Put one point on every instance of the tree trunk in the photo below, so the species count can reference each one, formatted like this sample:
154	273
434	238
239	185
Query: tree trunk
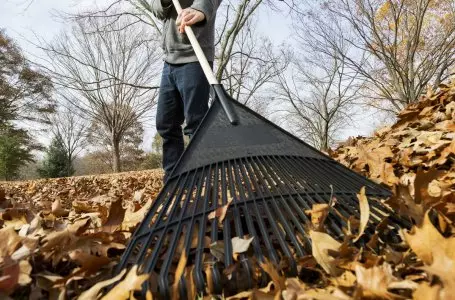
116	164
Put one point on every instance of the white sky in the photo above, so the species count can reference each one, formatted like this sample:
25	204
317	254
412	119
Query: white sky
22	19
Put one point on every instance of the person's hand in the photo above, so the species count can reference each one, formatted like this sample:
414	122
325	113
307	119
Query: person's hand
188	17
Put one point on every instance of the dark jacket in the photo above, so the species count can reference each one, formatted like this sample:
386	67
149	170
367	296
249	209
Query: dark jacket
176	45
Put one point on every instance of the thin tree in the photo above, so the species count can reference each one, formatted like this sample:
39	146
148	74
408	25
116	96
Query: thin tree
71	131
130	152
106	72
321	93
253	65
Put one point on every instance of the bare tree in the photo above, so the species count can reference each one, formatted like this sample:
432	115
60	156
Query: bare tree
253	65
70	130
401	48
106	71
131	155
320	92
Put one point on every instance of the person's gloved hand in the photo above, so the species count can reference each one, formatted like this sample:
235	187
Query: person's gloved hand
188	17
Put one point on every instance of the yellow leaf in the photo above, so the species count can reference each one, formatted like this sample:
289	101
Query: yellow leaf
132	282
133	218
178	274
443	266
426	292
364	212
318	214
93	292
423	240
10	241
25	270
321	243
374	282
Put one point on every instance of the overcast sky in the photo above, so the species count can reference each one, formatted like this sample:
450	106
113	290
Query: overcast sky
22	19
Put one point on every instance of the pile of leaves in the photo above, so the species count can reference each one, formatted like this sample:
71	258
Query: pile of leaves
423	138
61	238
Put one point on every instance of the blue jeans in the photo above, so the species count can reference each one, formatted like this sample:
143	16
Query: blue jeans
184	96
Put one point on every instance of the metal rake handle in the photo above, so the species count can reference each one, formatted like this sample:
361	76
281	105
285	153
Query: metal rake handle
218	88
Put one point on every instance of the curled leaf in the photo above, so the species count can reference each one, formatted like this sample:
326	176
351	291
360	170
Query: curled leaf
364	213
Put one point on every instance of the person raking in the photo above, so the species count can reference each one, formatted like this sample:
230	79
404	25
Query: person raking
184	89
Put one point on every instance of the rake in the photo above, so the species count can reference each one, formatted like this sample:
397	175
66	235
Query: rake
265	177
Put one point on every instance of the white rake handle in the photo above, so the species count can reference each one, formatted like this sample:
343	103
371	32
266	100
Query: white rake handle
197	49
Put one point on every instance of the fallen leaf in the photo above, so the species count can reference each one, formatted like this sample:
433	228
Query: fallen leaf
240	245
10	241
426	292
178	274
217	250
89	263
443	266
25	270
220	212
364	213
423	240
94	291
321	243
9	277
318	214
270	269
131	282
58	210
115	218
374	282
133	218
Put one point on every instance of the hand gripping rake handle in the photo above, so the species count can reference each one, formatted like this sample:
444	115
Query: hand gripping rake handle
218	88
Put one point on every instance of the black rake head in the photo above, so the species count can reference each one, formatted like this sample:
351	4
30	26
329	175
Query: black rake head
253	180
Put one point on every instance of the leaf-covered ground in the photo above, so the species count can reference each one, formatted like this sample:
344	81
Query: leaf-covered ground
61	238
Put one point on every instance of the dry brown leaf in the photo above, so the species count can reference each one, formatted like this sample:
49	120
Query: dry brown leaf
25	270
89	263
364	213
115	218
374	282
94	291
426	292
321	244
58	210
270	269
423	239
131	282
10	241
443	266
318	214
133	218
178	274
346	279
220	212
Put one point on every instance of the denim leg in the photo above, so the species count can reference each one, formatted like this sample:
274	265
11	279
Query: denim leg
169	119
194	89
